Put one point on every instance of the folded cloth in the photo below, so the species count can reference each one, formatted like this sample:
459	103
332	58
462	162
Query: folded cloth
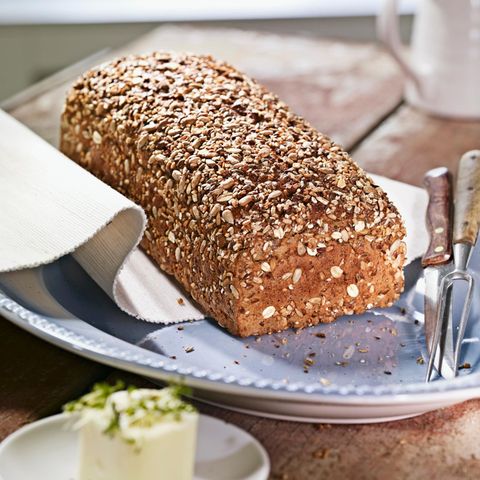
50	207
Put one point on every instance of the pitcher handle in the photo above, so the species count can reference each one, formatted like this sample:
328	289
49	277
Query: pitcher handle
388	34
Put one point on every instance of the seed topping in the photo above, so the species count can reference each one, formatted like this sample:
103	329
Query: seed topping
336	271
352	290
269	312
297	274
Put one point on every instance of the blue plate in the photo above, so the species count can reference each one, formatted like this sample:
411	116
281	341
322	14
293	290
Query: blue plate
362	368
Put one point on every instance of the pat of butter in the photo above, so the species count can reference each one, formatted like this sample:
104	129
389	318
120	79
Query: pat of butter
138	435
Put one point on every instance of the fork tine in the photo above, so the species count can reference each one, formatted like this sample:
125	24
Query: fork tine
463	320
446	353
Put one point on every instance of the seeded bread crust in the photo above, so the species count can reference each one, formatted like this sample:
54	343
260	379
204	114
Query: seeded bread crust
266	222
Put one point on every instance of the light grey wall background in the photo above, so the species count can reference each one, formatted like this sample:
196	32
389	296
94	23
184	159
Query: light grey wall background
29	53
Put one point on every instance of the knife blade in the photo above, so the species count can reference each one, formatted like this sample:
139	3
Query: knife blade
437	263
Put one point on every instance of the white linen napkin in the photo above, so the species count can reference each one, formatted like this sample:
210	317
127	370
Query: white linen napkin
49	207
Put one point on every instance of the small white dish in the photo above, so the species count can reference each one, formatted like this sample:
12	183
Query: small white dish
47	449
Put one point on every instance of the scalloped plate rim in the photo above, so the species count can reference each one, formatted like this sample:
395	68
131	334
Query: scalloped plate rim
457	390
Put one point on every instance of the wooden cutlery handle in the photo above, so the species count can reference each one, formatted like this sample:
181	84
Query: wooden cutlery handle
438	183
467	199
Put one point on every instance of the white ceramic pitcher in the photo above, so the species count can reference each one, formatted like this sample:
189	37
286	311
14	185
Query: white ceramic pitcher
443	67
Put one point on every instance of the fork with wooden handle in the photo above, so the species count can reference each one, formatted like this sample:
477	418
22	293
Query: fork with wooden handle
465	230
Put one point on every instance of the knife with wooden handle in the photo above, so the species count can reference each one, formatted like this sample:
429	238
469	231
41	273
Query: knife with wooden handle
438	183
441	273
437	263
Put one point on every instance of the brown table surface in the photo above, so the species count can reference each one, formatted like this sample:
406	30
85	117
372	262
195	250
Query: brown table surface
352	92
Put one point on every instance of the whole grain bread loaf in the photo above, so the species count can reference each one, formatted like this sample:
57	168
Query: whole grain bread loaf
266	222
